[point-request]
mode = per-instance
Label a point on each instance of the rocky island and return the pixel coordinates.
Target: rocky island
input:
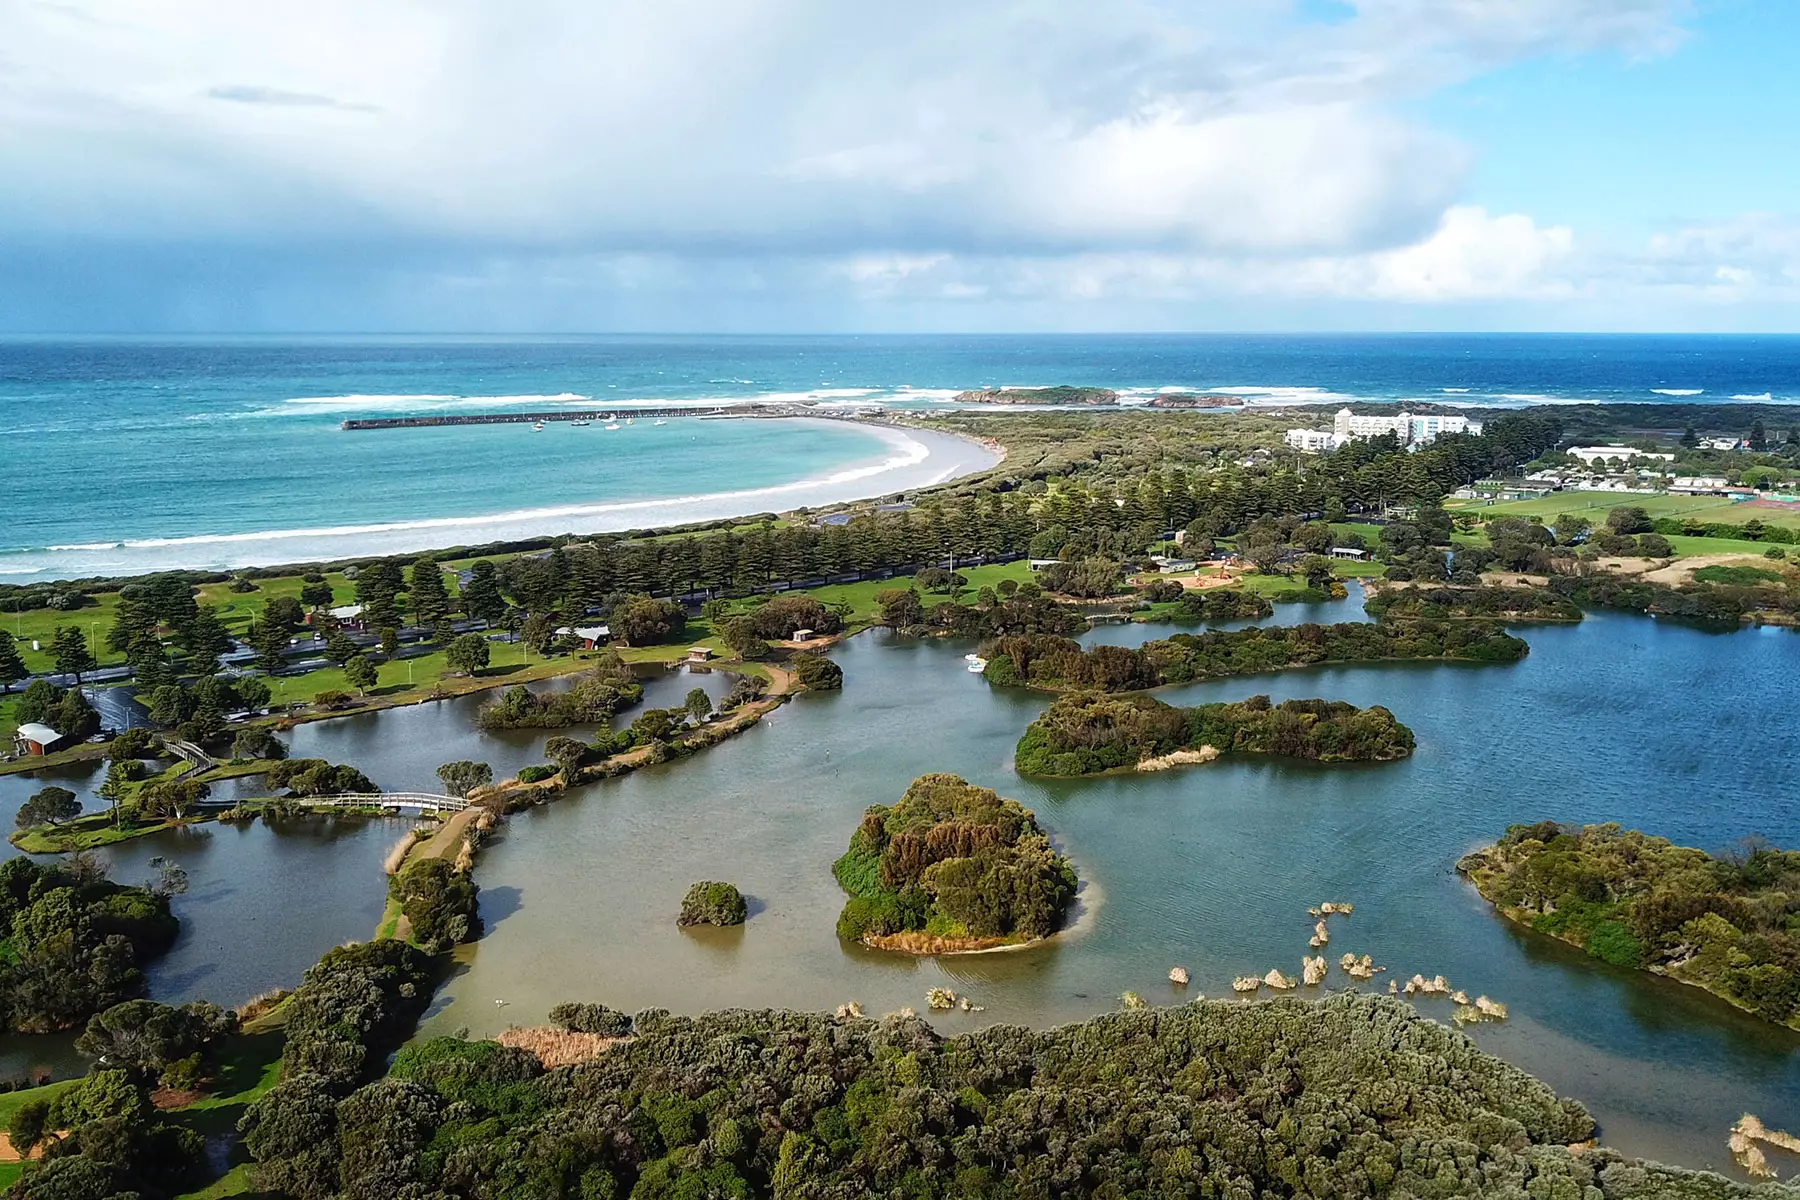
(1042, 395)
(951, 867)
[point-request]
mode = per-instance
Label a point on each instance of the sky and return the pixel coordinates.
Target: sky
(811, 165)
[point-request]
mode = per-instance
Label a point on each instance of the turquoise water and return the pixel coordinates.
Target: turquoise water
(120, 456)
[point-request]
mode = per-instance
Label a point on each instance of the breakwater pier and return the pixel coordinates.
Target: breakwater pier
(595, 414)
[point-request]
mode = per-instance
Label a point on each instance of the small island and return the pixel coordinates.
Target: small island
(951, 867)
(1043, 395)
(712, 903)
(1053, 663)
(1087, 734)
(1412, 602)
(1639, 901)
(1195, 400)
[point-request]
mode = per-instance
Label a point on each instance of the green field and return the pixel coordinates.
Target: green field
(1595, 505)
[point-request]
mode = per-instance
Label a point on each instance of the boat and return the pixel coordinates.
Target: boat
(539, 426)
(662, 422)
(578, 424)
(628, 420)
(977, 664)
(614, 425)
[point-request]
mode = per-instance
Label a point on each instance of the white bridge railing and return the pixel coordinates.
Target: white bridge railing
(421, 801)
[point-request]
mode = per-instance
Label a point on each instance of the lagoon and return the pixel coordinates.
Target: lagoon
(1661, 726)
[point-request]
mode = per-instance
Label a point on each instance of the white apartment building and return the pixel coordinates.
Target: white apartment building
(1412, 429)
(1313, 441)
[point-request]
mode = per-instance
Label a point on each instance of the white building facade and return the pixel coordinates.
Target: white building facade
(1413, 429)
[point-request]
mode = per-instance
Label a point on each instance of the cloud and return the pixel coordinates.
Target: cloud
(978, 150)
(250, 94)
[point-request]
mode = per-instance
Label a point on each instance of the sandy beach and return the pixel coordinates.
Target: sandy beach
(903, 460)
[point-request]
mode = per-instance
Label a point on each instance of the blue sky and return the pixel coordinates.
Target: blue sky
(737, 165)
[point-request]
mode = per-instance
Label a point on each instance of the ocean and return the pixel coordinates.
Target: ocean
(125, 455)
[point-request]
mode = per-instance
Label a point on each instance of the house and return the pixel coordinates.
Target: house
(590, 636)
(347, 616)
(804, 635)
(33, 739)
(1349, 552)
(699, 654)
(1722, 443)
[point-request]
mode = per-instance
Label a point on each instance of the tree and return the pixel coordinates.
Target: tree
(205, 639)
(481, 596)
(117, 785)
(643, 621)
(285, 613)
(390, 641)
(1689, 439)
(567, 753)
(252, 692)
(462, 777)
(270, 642)
(30, 1122)
(12, 665)
(538, 631)
(698, 705)
(468, 654)
(740, 637)
(257, 741)
(900, 607)
(429, 598)
(1629, 519)
(48, 806)
(317, 595)
(1759, 437)
(360, 673)
(339, 647)
(69, 650)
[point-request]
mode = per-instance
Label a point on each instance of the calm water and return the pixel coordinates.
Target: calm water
(1620, 718)
(229, 453)
(1657, 725)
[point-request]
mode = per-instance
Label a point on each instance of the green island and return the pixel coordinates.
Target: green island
(1061, 664)
(1421, 602)
(1167, 600)
(951, 867)
(710, 902)
(1086, 733)
(1722, 924)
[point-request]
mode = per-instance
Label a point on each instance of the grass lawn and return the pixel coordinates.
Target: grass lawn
(1595, 505)
(249, 1066)
(861, 596)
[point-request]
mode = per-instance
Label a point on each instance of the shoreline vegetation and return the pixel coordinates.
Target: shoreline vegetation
(1721, 924)
(1091, 734)
(951, 867)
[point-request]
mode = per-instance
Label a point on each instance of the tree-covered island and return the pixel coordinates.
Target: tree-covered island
(1726, 924)
(949, 867)
(1061, 664)
(1088, 733)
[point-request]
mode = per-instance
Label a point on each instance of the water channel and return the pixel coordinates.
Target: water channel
(1664, 727)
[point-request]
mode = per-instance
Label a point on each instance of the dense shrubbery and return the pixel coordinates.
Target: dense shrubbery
(642, 621)
(1087, 733)
(1061, 663)
(1725, 924)
(438, 901)
(1089, 578)
(65, 710)
(595, 696)
(817, 673)
(116, 1146)
(1351, 1097)
(712, 903)
(1494, 603)
(75, 942)
(1697, 601)
(353, 1006)
(1219, 604)
(316, 777)
(780, 617)
(954, 861)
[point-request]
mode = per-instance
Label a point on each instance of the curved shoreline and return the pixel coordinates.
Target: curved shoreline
(914, 459)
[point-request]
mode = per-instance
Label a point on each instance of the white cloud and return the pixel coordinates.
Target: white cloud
(1052, 147)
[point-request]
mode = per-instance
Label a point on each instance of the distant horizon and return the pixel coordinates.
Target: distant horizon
(549, 334)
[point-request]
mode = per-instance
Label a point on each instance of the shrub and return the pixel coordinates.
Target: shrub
(712, 903)
(591, 1018)
(536, 773)
(817, 673)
